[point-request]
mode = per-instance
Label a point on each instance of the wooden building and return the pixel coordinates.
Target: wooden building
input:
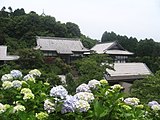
(113, 49)
(4, 56)
(126, 73)
(67, 49)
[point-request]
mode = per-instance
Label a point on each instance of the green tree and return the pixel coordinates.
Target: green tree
(147, 89)
(92, 67)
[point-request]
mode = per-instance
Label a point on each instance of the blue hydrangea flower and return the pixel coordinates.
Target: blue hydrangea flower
(69, 104)
(16, 74)
(83, 88)
(17, 84)
(59, 92)
(93, 84)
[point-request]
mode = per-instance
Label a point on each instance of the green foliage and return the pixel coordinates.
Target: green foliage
(88, 42)
(148, 88)
(106, 103)
(30, 58)
(91, 67)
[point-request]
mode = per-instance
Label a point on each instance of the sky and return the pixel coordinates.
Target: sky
(136, 18)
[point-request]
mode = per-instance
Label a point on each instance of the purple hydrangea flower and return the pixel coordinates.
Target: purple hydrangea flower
(69, 104)
(83, 88)
(152, 103)
(59, 91)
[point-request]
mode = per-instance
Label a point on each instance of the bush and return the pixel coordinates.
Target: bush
(31, 99)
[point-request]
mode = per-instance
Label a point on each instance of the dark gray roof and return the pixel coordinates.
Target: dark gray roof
(60, 45)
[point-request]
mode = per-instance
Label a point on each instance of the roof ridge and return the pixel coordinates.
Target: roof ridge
(58, 38)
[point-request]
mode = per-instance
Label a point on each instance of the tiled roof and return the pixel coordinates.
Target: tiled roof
(60, 45)
(128, 71)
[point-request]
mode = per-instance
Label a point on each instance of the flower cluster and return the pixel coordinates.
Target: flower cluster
(93, 84)
(154, 105)
(49, 106)
(132, 101)
(41, 115)
(7, 77)
(3, 108)
(16, 74)
(69, 105)
(117, 87)
(18, 108)
(82, 106)
(83, 88)
(59, 92)
(27, 93)
(89, 97)
(35, 72)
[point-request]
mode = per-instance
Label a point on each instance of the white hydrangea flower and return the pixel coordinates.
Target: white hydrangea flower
(41, 116)
(25, 91)
(59, 91)
(49, 106)
(83, 88)
(82, 106)
(93, 84)
(117, 86)
(18, 108)
(28, 96)
(35, 72)
(155, 107)
(6, 77)
(16, 73)
(132, 101)
(17, 84)
(89, 97)
(7, 84)
(2, 108)
(29, 77)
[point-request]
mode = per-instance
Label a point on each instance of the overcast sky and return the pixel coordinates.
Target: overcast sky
(136, 18)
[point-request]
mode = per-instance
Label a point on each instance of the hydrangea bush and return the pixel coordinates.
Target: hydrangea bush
(24, 97)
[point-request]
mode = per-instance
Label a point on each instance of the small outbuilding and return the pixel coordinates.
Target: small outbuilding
(126, 73)
(4, 56)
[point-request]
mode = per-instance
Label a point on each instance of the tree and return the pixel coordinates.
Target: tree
(148, 88)
(91, 67)
(72, 30)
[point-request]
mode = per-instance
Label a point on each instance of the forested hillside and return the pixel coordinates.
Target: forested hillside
(147, 50)
(18, 30)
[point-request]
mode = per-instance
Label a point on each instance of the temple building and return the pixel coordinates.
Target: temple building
(67, 49)
(123, 72)
(114, 50)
